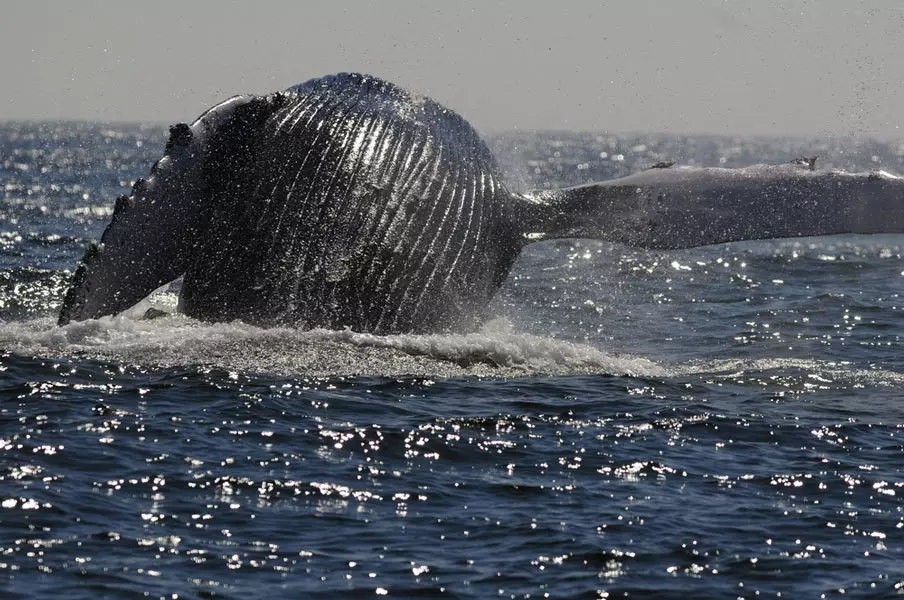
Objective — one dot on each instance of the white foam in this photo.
(811, 373)
(176, 340)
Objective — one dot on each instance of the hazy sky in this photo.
(821, 67)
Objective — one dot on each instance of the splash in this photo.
(178, 341)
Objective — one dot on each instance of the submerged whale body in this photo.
(349, 202)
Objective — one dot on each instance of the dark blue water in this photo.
(712, 423)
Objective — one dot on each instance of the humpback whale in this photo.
(348, 202)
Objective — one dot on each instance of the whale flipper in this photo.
(152, 235)
(687, 207)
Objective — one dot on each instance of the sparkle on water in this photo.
(717, 422)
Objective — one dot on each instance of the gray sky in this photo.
(820, 67)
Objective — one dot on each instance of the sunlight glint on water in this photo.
(717, 422)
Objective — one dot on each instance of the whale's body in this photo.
(348, 202)
(356, 203)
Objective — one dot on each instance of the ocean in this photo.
(719, 422)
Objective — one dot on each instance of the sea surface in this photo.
(721, 422)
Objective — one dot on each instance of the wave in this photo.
(178, 341)
(806, 374)
(496, 351)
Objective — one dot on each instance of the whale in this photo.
(349, 202)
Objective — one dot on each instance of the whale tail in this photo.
(151, 236)
(667, 208)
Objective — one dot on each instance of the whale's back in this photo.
(355, 204)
